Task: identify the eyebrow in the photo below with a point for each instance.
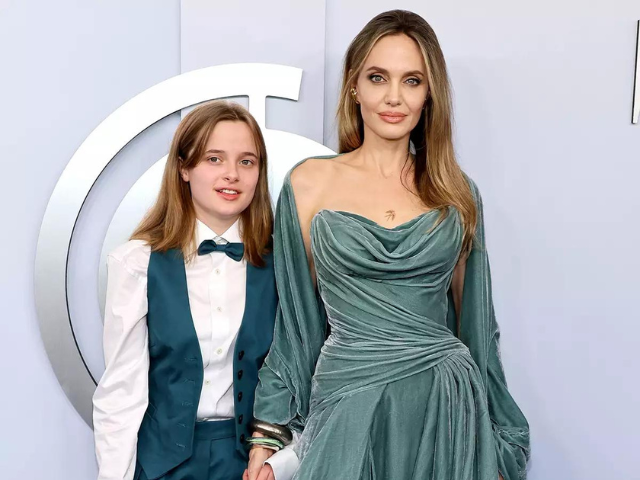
(385, 71)
(243, 154)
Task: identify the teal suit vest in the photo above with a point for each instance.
(165, 438)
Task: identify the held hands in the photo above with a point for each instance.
(257, 469)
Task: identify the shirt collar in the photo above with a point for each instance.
(232, 235)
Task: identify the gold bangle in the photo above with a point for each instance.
(283, 434)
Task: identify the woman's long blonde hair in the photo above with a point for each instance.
(439, 181)
(171, 221)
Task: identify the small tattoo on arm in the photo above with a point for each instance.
(390, 214)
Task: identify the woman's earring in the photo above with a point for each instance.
(354, 92)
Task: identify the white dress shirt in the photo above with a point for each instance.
(217, 288)
(285, 462)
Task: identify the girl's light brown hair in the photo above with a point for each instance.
(438, 179)
(170, 224)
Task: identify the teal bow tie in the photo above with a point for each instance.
(235, 251)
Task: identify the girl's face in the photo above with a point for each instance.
(392, 87)
(224, 180)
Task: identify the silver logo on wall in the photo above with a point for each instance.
(257, 81)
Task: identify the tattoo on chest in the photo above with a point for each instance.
(390, 214)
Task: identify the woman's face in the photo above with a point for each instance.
(392, 87)
(224, 180)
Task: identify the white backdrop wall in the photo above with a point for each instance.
(543, 104)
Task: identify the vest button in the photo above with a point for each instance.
(242, 438)
(240, 396)
(241, 355)
(240, 419)
(240, 375)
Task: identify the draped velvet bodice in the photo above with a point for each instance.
(362, 266)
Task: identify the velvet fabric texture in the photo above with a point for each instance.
(394, 391)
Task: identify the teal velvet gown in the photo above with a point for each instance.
(395, 391)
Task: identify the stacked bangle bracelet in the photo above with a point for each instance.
(266, 442)
(274, 433)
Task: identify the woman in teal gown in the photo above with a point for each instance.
(386, 358)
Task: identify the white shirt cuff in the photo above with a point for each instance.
(285, 462)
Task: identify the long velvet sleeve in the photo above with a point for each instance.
(284, 387)
(479, 331)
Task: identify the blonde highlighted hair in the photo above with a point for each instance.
(438, 179)
(170, 223)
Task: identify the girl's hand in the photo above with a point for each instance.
(257, 457)
(264, 473)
